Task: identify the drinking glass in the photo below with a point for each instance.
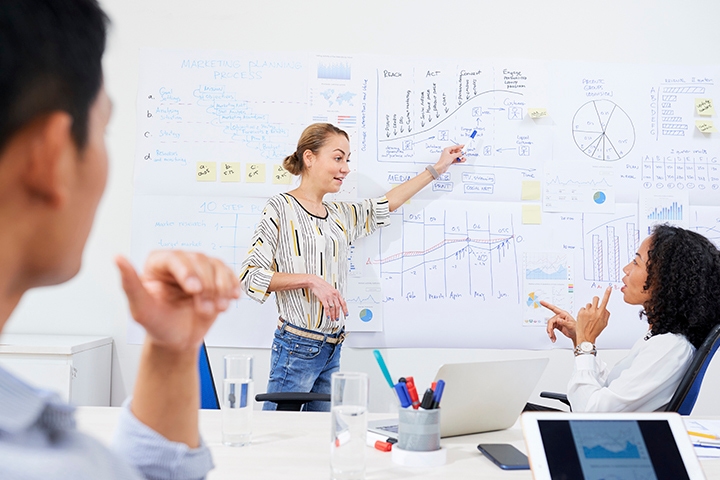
(349, 401)
(237, 400)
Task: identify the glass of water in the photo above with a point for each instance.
(237, 400)
(349, 399)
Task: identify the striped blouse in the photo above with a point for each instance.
(289, 239)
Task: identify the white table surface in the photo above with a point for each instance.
(295, 445)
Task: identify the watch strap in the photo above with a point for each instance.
(579, 351)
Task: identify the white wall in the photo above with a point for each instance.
(625, 31)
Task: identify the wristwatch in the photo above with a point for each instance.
(585, 348)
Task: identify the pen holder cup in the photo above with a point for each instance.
(419, 430)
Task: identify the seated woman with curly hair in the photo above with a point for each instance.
(675, 276)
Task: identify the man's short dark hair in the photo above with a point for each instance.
(50, 60)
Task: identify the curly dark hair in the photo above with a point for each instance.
(683, 269)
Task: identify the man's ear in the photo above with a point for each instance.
(51, 151)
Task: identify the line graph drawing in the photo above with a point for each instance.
(602, 130)
(419, 111)
(441, 253)
(705, 221)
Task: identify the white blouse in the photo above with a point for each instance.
(643, 381)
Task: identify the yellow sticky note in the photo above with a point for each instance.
(537, 112)
(281, 176)
(531, 215)
(255, 173)
(531, 190)
(230, 171)
(705, 126)
(205, 172)
(704, 106)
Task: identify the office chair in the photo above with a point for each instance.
(208, 394)
(686, 394)
(292, 401)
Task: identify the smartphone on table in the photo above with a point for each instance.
(505, 456)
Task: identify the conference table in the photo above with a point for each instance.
(295, 445)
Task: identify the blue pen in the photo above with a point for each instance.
(439, 387)
(403, 394)
(383, 368)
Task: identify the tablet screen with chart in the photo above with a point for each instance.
(618, 449)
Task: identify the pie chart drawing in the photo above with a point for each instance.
(533, 301)
(599, 198)
(603, 131)
(366, 315)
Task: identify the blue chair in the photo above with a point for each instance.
(686, 394)
(208, 394)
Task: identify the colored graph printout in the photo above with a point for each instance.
(579, 190)
(546, 277)
(665, 206)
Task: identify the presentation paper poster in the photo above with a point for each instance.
(569, 164)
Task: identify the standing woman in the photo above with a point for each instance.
(300, 252)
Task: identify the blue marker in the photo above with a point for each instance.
(439, 387)
(403, 394)
(383, 368)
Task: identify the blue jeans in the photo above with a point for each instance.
(299, 364)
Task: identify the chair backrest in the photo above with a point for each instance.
(688, 390)
(208, 394)
(292, 401)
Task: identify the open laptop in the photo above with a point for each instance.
(480, 396)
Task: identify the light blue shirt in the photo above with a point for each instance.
(39, 440)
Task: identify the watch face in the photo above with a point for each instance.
(586, 347)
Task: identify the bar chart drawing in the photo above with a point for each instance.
(608, 247)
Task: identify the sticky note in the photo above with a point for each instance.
(531, 215)
(705, 126)
(537, 112)
(281, 176)
(255, 173)
(704, 106)
(229, 171)
(205, 172)
(531, 190)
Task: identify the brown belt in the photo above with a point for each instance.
(313, 336)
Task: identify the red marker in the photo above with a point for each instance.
(410, 383)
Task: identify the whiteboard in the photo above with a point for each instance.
(548, 208)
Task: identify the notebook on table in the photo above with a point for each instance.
(479, 396)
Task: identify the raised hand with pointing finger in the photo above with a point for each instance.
(593, 318)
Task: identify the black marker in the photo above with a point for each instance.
(427, 401)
